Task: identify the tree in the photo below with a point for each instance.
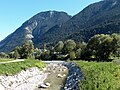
(3, 55)
(44, 47)
(59, 46)
(11, 54)
(78, 53)
(27, 50)
(69, 46)
(99, 47)
(46, 55)
(72, 55)
(105, 48)
(38, 54)
(81, 45)
(116, 44)
(15, 53)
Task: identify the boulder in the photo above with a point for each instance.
(46, 85)
(59, 75)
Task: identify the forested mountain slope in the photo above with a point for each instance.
(101, 17)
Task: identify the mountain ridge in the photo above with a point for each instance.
(33, 29)
(98, 18)
(91, 16)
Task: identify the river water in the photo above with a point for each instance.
(71, 75)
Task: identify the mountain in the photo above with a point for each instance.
(49, 27)
(33, 29)
(101, 17)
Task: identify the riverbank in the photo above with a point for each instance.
(99, 75)
(25, 80)
(15, 67)
(57, 75)
(31, 77)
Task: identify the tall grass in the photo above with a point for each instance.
(99, 76)
(15, 67)
(5, 60)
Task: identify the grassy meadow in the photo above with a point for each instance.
(5, 60)
(15, 67)
(99, 75)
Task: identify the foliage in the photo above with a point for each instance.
(40, 64)
(38, 54)
(69, 46)
(3, 55)
(78, 53)
(46, 55)
(15, 53)
(101, 47)
(72, 55)
(99, 76)
(81, 45)
(15, 67)
(59, 46)
(116, 44)
(27, 50)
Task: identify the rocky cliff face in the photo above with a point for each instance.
(33, 29)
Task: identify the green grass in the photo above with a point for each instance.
(99, 76)
(15, 67)
(5, 60)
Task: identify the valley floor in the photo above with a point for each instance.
(29, 75)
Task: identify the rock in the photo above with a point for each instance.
(59, 75)
(47, 84)
(25, 80)
(60, 69)
(64, 75)
(2, 87)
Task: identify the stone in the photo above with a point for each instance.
(2, 87)
(64, 75)
(25, 80)
(43, 86)
(59, 75)
(47, 84)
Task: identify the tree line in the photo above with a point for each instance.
(101, 47)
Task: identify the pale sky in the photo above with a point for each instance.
(15, 12)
